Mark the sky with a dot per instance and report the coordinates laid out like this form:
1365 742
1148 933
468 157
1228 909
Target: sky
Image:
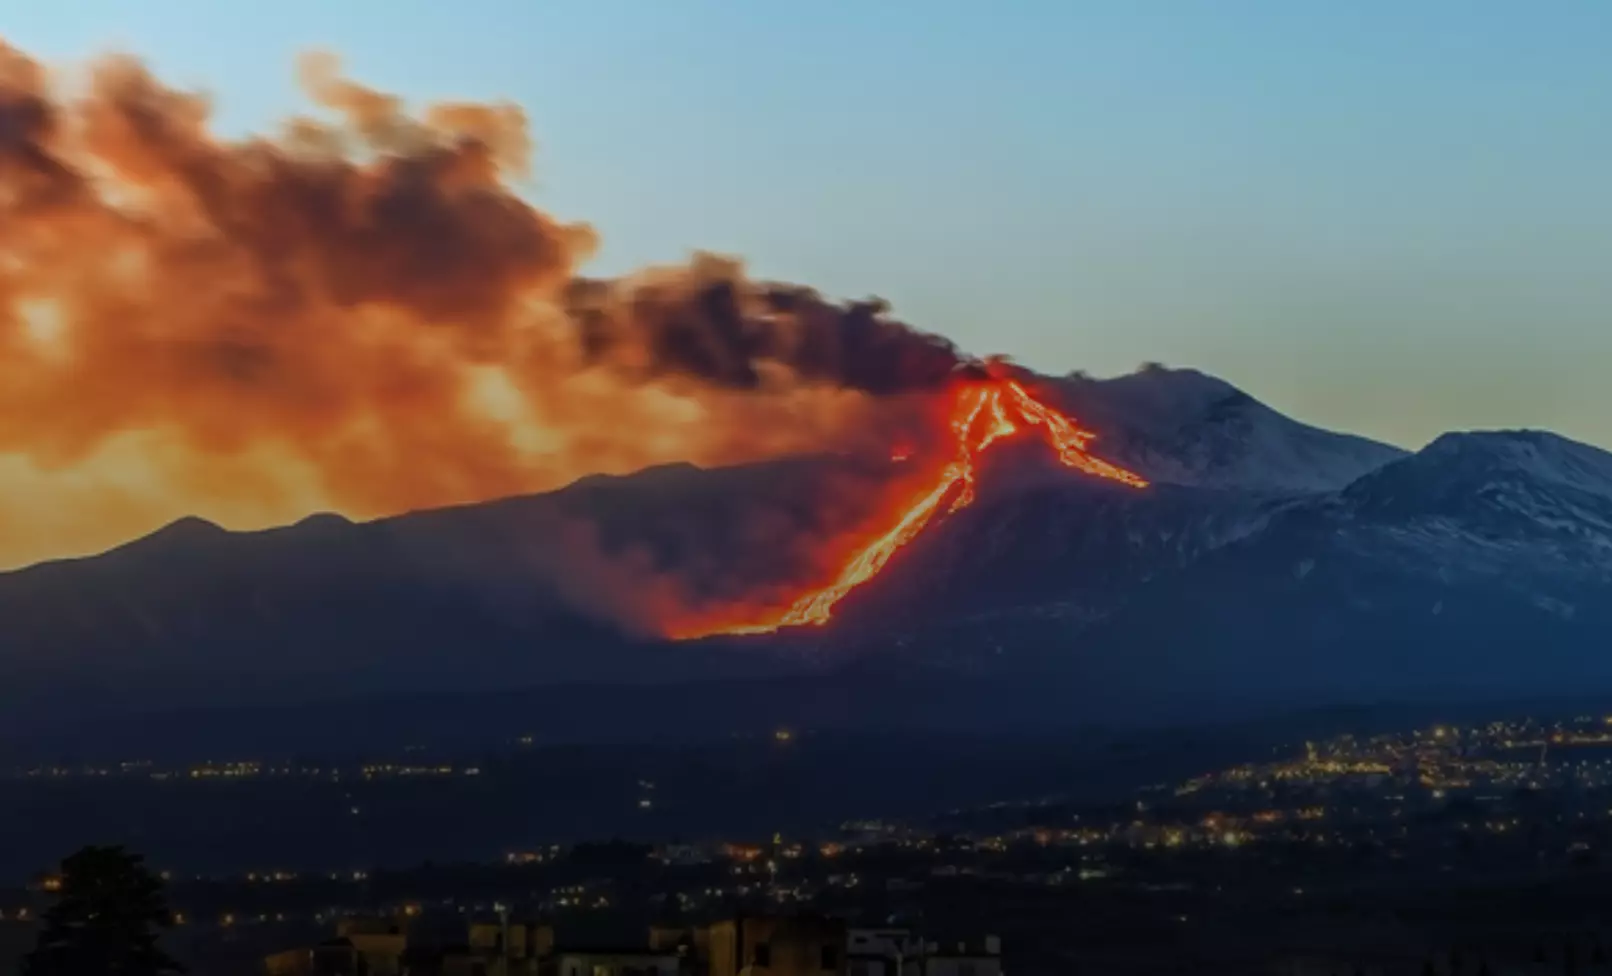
1385 217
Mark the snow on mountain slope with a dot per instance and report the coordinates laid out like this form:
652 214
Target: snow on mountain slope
1269 554
1477 568
1068 549
1490 501
1183 427
1496 466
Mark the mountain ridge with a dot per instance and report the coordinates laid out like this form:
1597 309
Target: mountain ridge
1263 526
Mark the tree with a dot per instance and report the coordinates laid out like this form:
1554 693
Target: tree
106 920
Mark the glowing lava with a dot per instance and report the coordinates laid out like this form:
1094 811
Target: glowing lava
981 415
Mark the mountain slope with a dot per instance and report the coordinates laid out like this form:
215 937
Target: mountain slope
1251 568
1479 565
1181 426
1520 488
523 591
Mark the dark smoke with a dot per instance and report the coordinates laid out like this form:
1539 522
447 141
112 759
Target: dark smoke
361 314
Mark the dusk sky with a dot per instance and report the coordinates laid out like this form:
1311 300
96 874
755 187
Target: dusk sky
1382 217
1385 217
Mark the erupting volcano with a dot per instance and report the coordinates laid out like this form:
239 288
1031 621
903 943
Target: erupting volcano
362 315
982 413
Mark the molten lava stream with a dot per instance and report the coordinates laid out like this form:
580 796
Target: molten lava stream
981 415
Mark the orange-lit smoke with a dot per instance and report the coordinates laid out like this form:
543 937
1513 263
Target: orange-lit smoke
358 313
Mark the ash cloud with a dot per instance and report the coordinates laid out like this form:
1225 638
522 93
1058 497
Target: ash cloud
707 323
359 312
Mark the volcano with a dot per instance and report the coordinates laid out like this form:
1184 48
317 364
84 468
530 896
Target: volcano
982 413
1012 566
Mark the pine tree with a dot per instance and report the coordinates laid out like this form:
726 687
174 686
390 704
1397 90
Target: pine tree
106 920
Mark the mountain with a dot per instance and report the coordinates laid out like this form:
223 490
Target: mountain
1180 426
1477 566
537 589
1270 562
1528 482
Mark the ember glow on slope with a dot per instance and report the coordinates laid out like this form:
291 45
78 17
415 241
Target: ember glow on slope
982 413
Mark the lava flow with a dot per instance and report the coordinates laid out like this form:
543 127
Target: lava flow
981 414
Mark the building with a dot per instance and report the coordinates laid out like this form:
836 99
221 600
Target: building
884 952
362 947
802 945
691 944
610 962
786 945
379 942
334 957
983 958
515 941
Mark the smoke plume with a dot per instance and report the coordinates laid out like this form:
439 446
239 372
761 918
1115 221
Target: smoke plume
359 313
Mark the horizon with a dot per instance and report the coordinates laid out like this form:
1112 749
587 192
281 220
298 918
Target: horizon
298 520
1244 225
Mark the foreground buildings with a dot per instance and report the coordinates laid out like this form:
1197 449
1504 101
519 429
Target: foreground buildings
750 945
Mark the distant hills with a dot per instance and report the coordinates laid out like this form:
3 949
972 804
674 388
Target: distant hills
1272 563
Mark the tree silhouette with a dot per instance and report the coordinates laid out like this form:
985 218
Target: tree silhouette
106 920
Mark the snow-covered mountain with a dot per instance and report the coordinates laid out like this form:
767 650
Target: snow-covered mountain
1496 498
1271 560
1479 566
1183 427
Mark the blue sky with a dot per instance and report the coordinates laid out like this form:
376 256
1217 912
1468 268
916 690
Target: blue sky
1384 216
